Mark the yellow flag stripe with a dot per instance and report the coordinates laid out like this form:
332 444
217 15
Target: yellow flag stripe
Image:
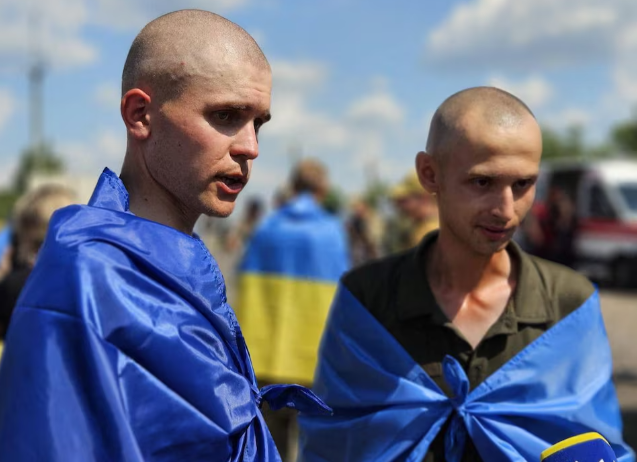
282 320
571 442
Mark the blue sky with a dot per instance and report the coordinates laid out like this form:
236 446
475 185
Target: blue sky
356 81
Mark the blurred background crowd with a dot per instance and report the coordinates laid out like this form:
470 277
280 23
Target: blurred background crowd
353 104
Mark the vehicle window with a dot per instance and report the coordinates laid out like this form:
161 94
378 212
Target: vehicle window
599 205
629 194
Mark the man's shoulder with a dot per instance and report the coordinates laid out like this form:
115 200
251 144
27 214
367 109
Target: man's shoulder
565 288
373 280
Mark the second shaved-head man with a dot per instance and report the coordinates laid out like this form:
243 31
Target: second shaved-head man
465 348
122 346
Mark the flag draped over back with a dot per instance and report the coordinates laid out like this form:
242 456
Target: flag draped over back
388 409
287 282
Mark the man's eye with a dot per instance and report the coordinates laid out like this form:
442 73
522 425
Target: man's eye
481 182
523 184
257 125
223 115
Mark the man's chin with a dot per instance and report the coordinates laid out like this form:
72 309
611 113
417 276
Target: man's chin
488 248
493 248
219 206
220 210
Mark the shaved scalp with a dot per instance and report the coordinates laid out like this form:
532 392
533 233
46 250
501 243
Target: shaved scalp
183 45
496 108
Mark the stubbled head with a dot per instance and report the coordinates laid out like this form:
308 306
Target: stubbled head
310 176
482 162
195 91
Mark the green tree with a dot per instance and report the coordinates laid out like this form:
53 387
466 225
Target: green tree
36 159
334 201
556 145
570 144
624 136
7 200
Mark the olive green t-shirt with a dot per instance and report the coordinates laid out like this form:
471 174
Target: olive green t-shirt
396 292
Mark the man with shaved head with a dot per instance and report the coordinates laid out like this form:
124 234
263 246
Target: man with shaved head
465 348
122 346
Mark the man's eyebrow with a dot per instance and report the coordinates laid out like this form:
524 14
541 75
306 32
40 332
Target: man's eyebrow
244 107
478 174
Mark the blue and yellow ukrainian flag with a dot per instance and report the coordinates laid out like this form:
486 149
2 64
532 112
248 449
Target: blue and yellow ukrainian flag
286 285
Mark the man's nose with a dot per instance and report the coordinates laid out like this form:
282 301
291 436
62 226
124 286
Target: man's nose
245 143
504 206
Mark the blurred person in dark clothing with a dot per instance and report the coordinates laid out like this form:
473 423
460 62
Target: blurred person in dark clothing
30 221
242 232
363 246
558 225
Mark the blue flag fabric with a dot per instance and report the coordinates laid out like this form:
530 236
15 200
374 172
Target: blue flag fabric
287 282
299 241
386 408
123 348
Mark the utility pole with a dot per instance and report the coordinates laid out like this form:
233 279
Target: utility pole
36 125
36 81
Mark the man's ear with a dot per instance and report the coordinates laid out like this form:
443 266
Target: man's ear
428 172
134 109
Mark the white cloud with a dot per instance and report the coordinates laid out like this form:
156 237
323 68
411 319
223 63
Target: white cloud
527 34
303 76
108 95
366 134
360 129
379 107
7 106
90 158
294 121
539 35
55 29
51 29
625 70
568 117
534 91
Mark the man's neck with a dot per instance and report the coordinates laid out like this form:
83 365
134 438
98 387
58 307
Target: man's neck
472 290
149 200
455 267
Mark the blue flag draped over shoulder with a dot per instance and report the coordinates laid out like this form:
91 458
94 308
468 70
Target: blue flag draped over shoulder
123 348
386 408
287 283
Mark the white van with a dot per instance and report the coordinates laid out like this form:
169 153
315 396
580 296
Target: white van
605 197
